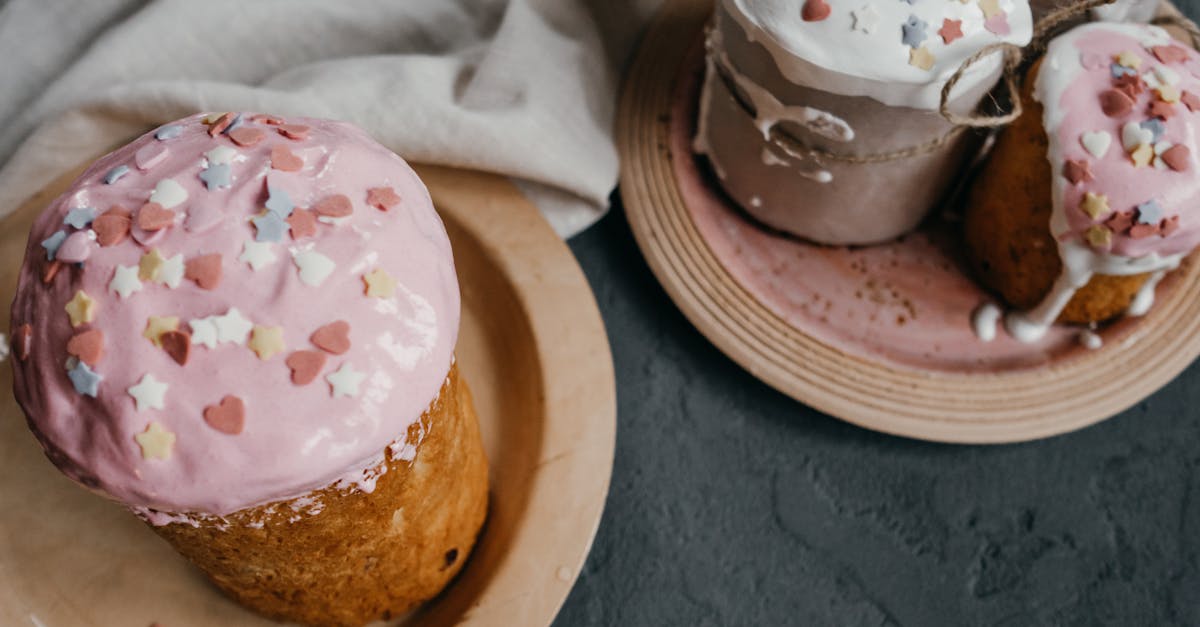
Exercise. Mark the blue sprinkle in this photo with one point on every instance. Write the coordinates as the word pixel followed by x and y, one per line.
pixel 237 121
pixel 913 31
pixel 171 131
pixel 1149 212
pixel 1154 125
pixel 80 217
pixel 115 174
pixel 217 176
pixel 270 227
pixel 52 243
pixel 1119 70
pixel 85 380
pixel 279 202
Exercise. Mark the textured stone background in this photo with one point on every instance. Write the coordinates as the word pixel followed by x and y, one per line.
pixel 733 505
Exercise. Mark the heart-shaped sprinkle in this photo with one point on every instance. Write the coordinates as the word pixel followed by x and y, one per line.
pixel 76 248
pixel 153 217
pixel 335 206
pixel 1170 54
pixel 229 416
pixel 303 223
pixel 1134 135
pixel 205 270
pixel 305 365
pixel 221 123
pixel 382 198
pixel 150 155
pixel 1096 143
pixel 294 131
pixel 1192 101
pixel 177 344
pixel 1178 158
pixel 1115 103
pixel 247 136
pixel 87 346
pixel 333 337
pixel 815 10
pixel 111 228
pixel 22 341
pixel 285 160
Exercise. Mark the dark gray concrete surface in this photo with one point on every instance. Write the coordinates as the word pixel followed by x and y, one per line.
pixel 731 504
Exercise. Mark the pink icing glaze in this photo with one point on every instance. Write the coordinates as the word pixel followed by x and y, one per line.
pixel 1078 110
pixel 296 438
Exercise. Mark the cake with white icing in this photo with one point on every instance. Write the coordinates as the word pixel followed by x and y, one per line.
pixel 822 119
pixel 1092 197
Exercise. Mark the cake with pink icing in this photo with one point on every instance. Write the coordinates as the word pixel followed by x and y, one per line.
pixel 1092 197
pixel 825 120
pixel 242 328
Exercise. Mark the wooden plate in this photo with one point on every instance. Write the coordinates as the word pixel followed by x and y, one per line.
pixel 889 345
pixel 534 350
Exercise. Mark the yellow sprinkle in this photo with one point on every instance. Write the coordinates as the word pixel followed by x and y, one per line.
pixel 81 308
pixel 157 325
pixel 1095 205
pixel 1128 59
pixel 1168 93
pixel 379 284
pixel 1142 155
pixel 156 442
pixel 149 266
pixel 266 341
pixel 1099 237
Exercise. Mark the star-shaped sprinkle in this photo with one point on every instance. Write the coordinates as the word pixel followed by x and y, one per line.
pixel 221 155
pixel 257 254
pixel 1129 59
pixel 1118 71
pixel 115 174
pixel 1094 205
pixel 379 284
pixel 1142 155
pixel 204 332
pixel 80 217
pixel 170 131
pixel 170 273
pixel 85 380
pixel 1149 212
pixel 269 227
pixel 157 325
pixel 1168 93
pixel 913 31
pixel 382 198
pixel 303 223
pixel 149 265
pixel 345 381
pixel 81 308
pixel 278 201
pixel 950 30
pixel 169 194
pixel 865 19
pixel 1162 110
pixel 266 341
pixel 1099 237
pixel 921 58
pixel 148 393
pixel 1077 171
pixel 233 327
pixel 125 281
pixel 1156 128
pixel 156 442
pixel 314 267
pixel 52 243
pixel 217 176
pixel 1120 221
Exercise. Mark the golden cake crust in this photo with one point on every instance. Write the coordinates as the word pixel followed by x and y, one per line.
pixel 364 556
pixel 1007 226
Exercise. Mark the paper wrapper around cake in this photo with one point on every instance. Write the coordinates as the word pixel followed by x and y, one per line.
pixel 1007 226
pixel 864 203
pixel 364 556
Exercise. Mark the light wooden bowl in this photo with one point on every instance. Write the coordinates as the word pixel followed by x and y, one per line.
pixel 981 407
pixel 532 346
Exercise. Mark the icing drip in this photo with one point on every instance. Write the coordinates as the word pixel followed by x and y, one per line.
pixel 984 321
pixel 1091 340
pixel 1089 214
pixel 1144 300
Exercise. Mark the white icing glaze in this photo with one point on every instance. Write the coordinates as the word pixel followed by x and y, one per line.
pixel 1061 66
pixel 984 321
pixel 839 55
pixel 1144 299
pixel 1091 340
pixel 1127 11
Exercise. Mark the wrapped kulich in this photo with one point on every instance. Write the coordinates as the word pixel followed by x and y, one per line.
pixel 1092 196
pixel 242 327
pixel 857 87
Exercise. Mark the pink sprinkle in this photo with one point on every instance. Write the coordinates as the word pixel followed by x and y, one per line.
pixel 246 137
pixel 294 131
pixel 998 24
